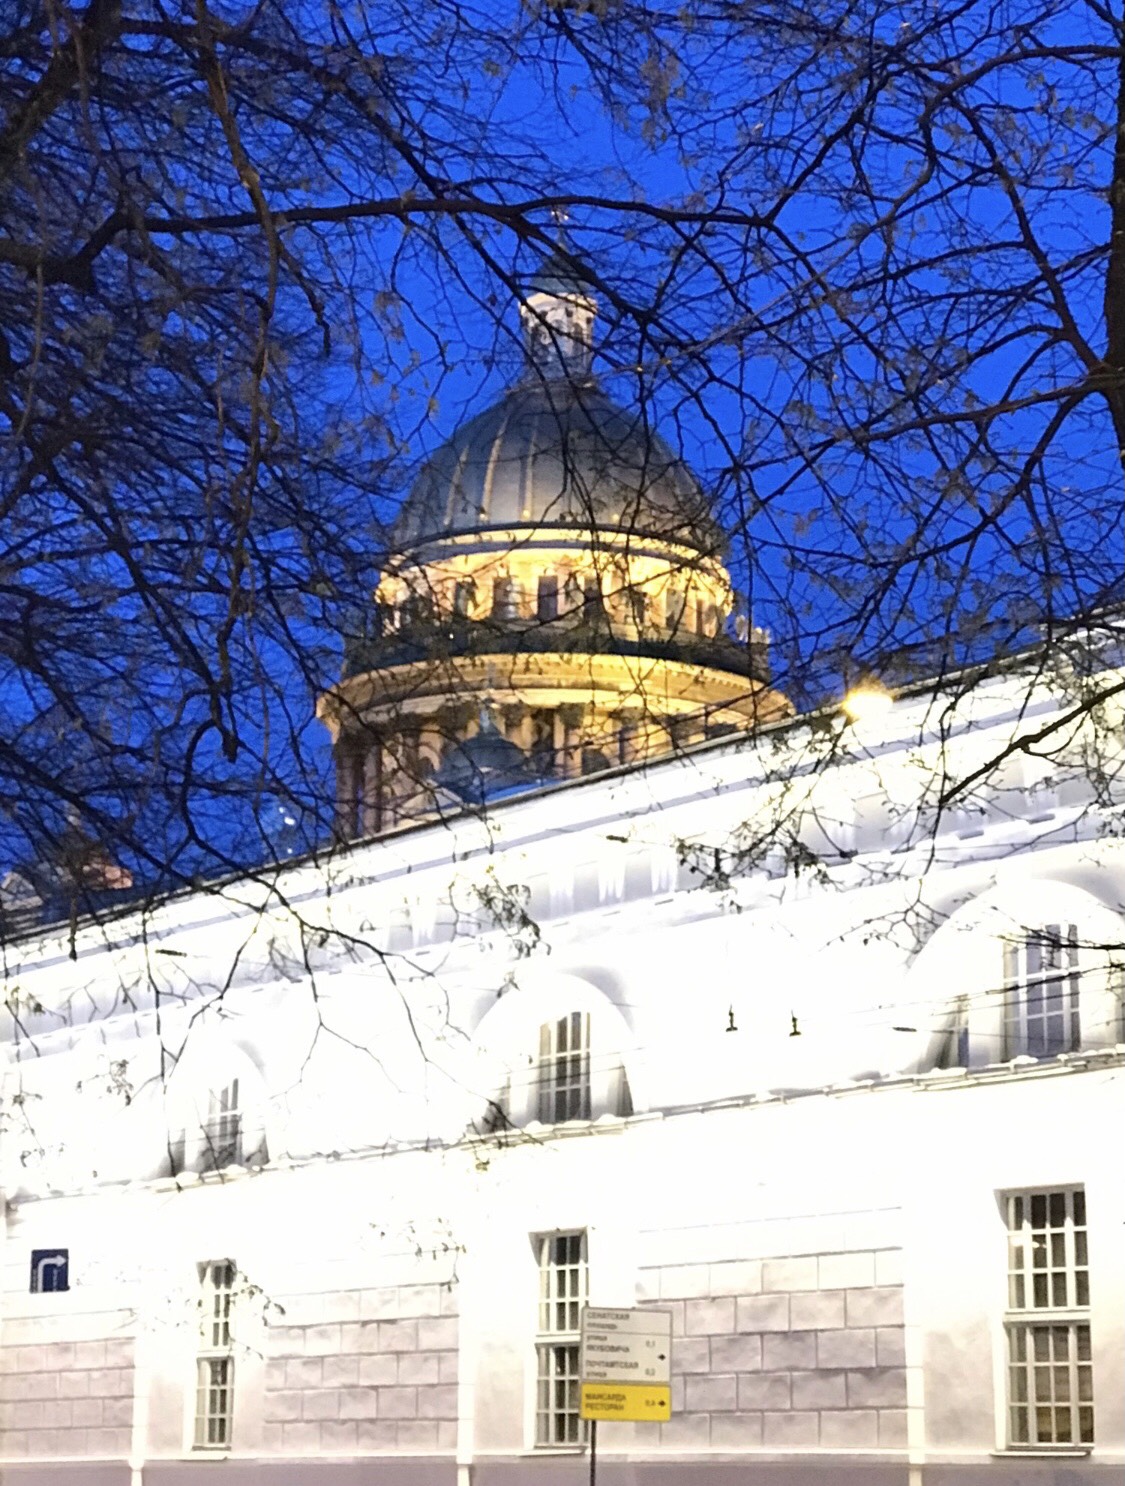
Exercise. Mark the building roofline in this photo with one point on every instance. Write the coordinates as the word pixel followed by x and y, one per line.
pixel 959 681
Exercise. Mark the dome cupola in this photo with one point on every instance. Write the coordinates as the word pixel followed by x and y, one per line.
pixel 557 314
pixel 555 602
pixel 557 453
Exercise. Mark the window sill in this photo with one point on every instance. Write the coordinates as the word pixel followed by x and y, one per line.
pixel 1043 1452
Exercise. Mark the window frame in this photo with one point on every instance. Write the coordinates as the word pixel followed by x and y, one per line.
pixel 563 1079
pixel 1047 1305
pixel 1029 993
pixel 558 1424
pixel 222 1134
pixel 212 1429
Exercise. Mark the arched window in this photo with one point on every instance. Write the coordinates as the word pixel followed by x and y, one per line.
pixel 216 1118
pixel 561 1049
pixel 1033 975
pixel 572 1078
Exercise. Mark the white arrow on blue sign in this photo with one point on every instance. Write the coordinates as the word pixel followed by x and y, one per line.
pixel 50 1270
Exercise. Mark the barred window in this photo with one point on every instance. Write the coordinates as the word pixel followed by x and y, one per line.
pixel 1050 1379
pixel 563 1285
pixel 564 1069
pixel 1041 1017
pixel 214 1366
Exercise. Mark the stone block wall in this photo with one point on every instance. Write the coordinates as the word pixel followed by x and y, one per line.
pixel 364 1370
pixel 801 1351
pixel 65 1398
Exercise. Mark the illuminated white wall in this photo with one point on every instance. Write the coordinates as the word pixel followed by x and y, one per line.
pixel 813 1200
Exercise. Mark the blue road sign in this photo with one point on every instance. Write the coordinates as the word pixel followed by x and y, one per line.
pixel 50 1270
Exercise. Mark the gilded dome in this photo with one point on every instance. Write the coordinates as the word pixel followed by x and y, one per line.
pixel 557 452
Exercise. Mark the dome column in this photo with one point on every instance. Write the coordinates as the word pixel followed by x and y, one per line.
pixel 568 738
pixel 517 726
pixel 371 788
pixel 360 773
pixel 349 772
pixel 629 747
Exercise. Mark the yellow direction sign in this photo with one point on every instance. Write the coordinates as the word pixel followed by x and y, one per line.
pixel 625 1364
pixel 626 1401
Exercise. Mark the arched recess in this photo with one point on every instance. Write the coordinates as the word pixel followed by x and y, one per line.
pixel 557 1050
pixel 1030 967
pixel 215 1107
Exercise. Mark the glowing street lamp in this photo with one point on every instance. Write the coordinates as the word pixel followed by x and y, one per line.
pixel 867 699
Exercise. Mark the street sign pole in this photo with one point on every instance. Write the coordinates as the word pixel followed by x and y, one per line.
pixel 593 1452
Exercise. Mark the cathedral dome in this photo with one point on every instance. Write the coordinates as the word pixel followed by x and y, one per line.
pixel 557 452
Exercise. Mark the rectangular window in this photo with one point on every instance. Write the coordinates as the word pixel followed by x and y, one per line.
pixel 563 1287
pixel 214 1366
pixel 547 607
pixel 464 591
pixel 1047 1324
pixel 1041 1016
pixel 564 1069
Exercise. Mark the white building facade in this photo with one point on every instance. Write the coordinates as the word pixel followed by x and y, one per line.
pixel 757 1035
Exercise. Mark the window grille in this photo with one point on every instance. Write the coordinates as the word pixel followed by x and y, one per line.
pixel 214 1386
pixel 564 1069
pixel 563 1287
pixel 1041 1012
pixel 1050 1380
